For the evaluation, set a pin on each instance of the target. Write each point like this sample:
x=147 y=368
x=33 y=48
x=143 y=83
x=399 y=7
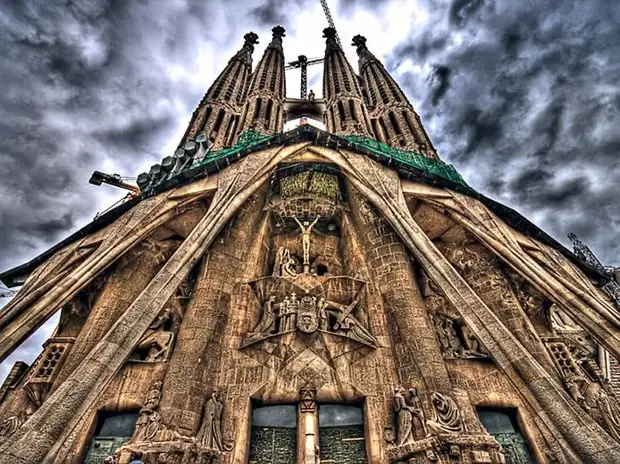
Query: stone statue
x=323 y=314
x=154 y=396
x=415 y=403
x=560 y=321
x=311 y=95
x=267 y=323
x=448 y=339
x=572 y=385
x=285 y=265
x=210 y=433
x=404 y=417
x=149 y=426
x=111 y=459
x=473 y=347
x=447 y=415
x=290 y=307
x=157 y=341
x=155 y=430
x=597 y=398
x=306 y=229
x=348 y=324
x=9 y=425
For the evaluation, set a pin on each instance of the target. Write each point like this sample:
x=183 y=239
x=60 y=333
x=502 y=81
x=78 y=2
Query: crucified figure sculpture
x=306 y=229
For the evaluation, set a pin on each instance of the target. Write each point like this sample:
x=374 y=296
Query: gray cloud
x=523 y=98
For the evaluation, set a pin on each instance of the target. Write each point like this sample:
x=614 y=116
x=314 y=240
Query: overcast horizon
x=521 y=97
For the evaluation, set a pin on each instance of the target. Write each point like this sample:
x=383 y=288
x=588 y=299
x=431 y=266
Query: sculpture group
x=309 y=314
x=411 y=420
x=151 y=429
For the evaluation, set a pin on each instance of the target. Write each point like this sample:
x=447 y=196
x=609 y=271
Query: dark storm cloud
x=523 y=97
x=85 y=85
x=271 y=12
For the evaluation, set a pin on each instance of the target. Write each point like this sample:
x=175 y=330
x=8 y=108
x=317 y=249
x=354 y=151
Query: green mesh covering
x=245 y=140
x=410 y=158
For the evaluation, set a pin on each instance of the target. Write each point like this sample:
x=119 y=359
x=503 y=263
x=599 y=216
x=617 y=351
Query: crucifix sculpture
x=306 y=229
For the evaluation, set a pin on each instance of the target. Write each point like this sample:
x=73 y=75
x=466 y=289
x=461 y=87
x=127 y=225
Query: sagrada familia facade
x=310 y=296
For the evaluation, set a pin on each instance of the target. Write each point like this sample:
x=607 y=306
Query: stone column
x=308 y=428
x=196 y=359
x=130 y=276
x=418 y=358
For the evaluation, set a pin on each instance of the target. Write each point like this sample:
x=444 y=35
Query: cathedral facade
x=310 y=296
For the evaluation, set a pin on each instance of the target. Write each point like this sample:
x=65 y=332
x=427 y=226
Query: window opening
x=502 y=424
x=273 y=435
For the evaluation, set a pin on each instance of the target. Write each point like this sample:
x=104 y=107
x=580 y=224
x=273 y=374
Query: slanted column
x=131 y=275
x=480 y=270
x=195 y=362
x=417 y=354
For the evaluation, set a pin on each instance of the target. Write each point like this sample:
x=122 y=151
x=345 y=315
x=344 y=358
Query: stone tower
x=310 y=296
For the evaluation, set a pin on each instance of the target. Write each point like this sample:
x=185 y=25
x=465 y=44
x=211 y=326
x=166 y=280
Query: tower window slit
x=268 y=113
x=206 y=118
x=384 y=128
x=394 y=123
x=375 y=129
x=228 y=130
x=259 y=102
x=408 y=121
x=218 y=121
x=353 y=110
x=341 y=114
x=276 y=123
x=231 y=135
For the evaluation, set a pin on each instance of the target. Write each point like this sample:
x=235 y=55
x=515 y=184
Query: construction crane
x=330 y=20
x=115 y=180
x=303 y=62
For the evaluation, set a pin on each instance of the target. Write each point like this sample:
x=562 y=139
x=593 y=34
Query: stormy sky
x=521 y=96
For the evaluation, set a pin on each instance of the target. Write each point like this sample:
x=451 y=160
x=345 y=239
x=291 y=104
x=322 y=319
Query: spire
x=217 y=114
x=345 y=111
x=393 y=119
x=264 y=106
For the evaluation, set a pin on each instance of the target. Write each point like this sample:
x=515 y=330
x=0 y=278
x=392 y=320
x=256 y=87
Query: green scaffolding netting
x=245 y=140
x=409 y=158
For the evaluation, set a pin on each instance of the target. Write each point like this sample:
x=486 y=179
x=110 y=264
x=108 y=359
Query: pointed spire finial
x=276 y=42
x=251 y=39
x=359 y=41
x=245 y=54
x=278 y=31
x=330 y=34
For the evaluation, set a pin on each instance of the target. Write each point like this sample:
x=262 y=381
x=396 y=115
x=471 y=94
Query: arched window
x=503 y=425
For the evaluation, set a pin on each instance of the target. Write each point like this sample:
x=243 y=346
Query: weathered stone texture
x=376 y=344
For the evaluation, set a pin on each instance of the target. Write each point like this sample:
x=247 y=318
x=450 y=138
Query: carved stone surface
x=335 y=307
x=447 y=417
x=210 y=433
